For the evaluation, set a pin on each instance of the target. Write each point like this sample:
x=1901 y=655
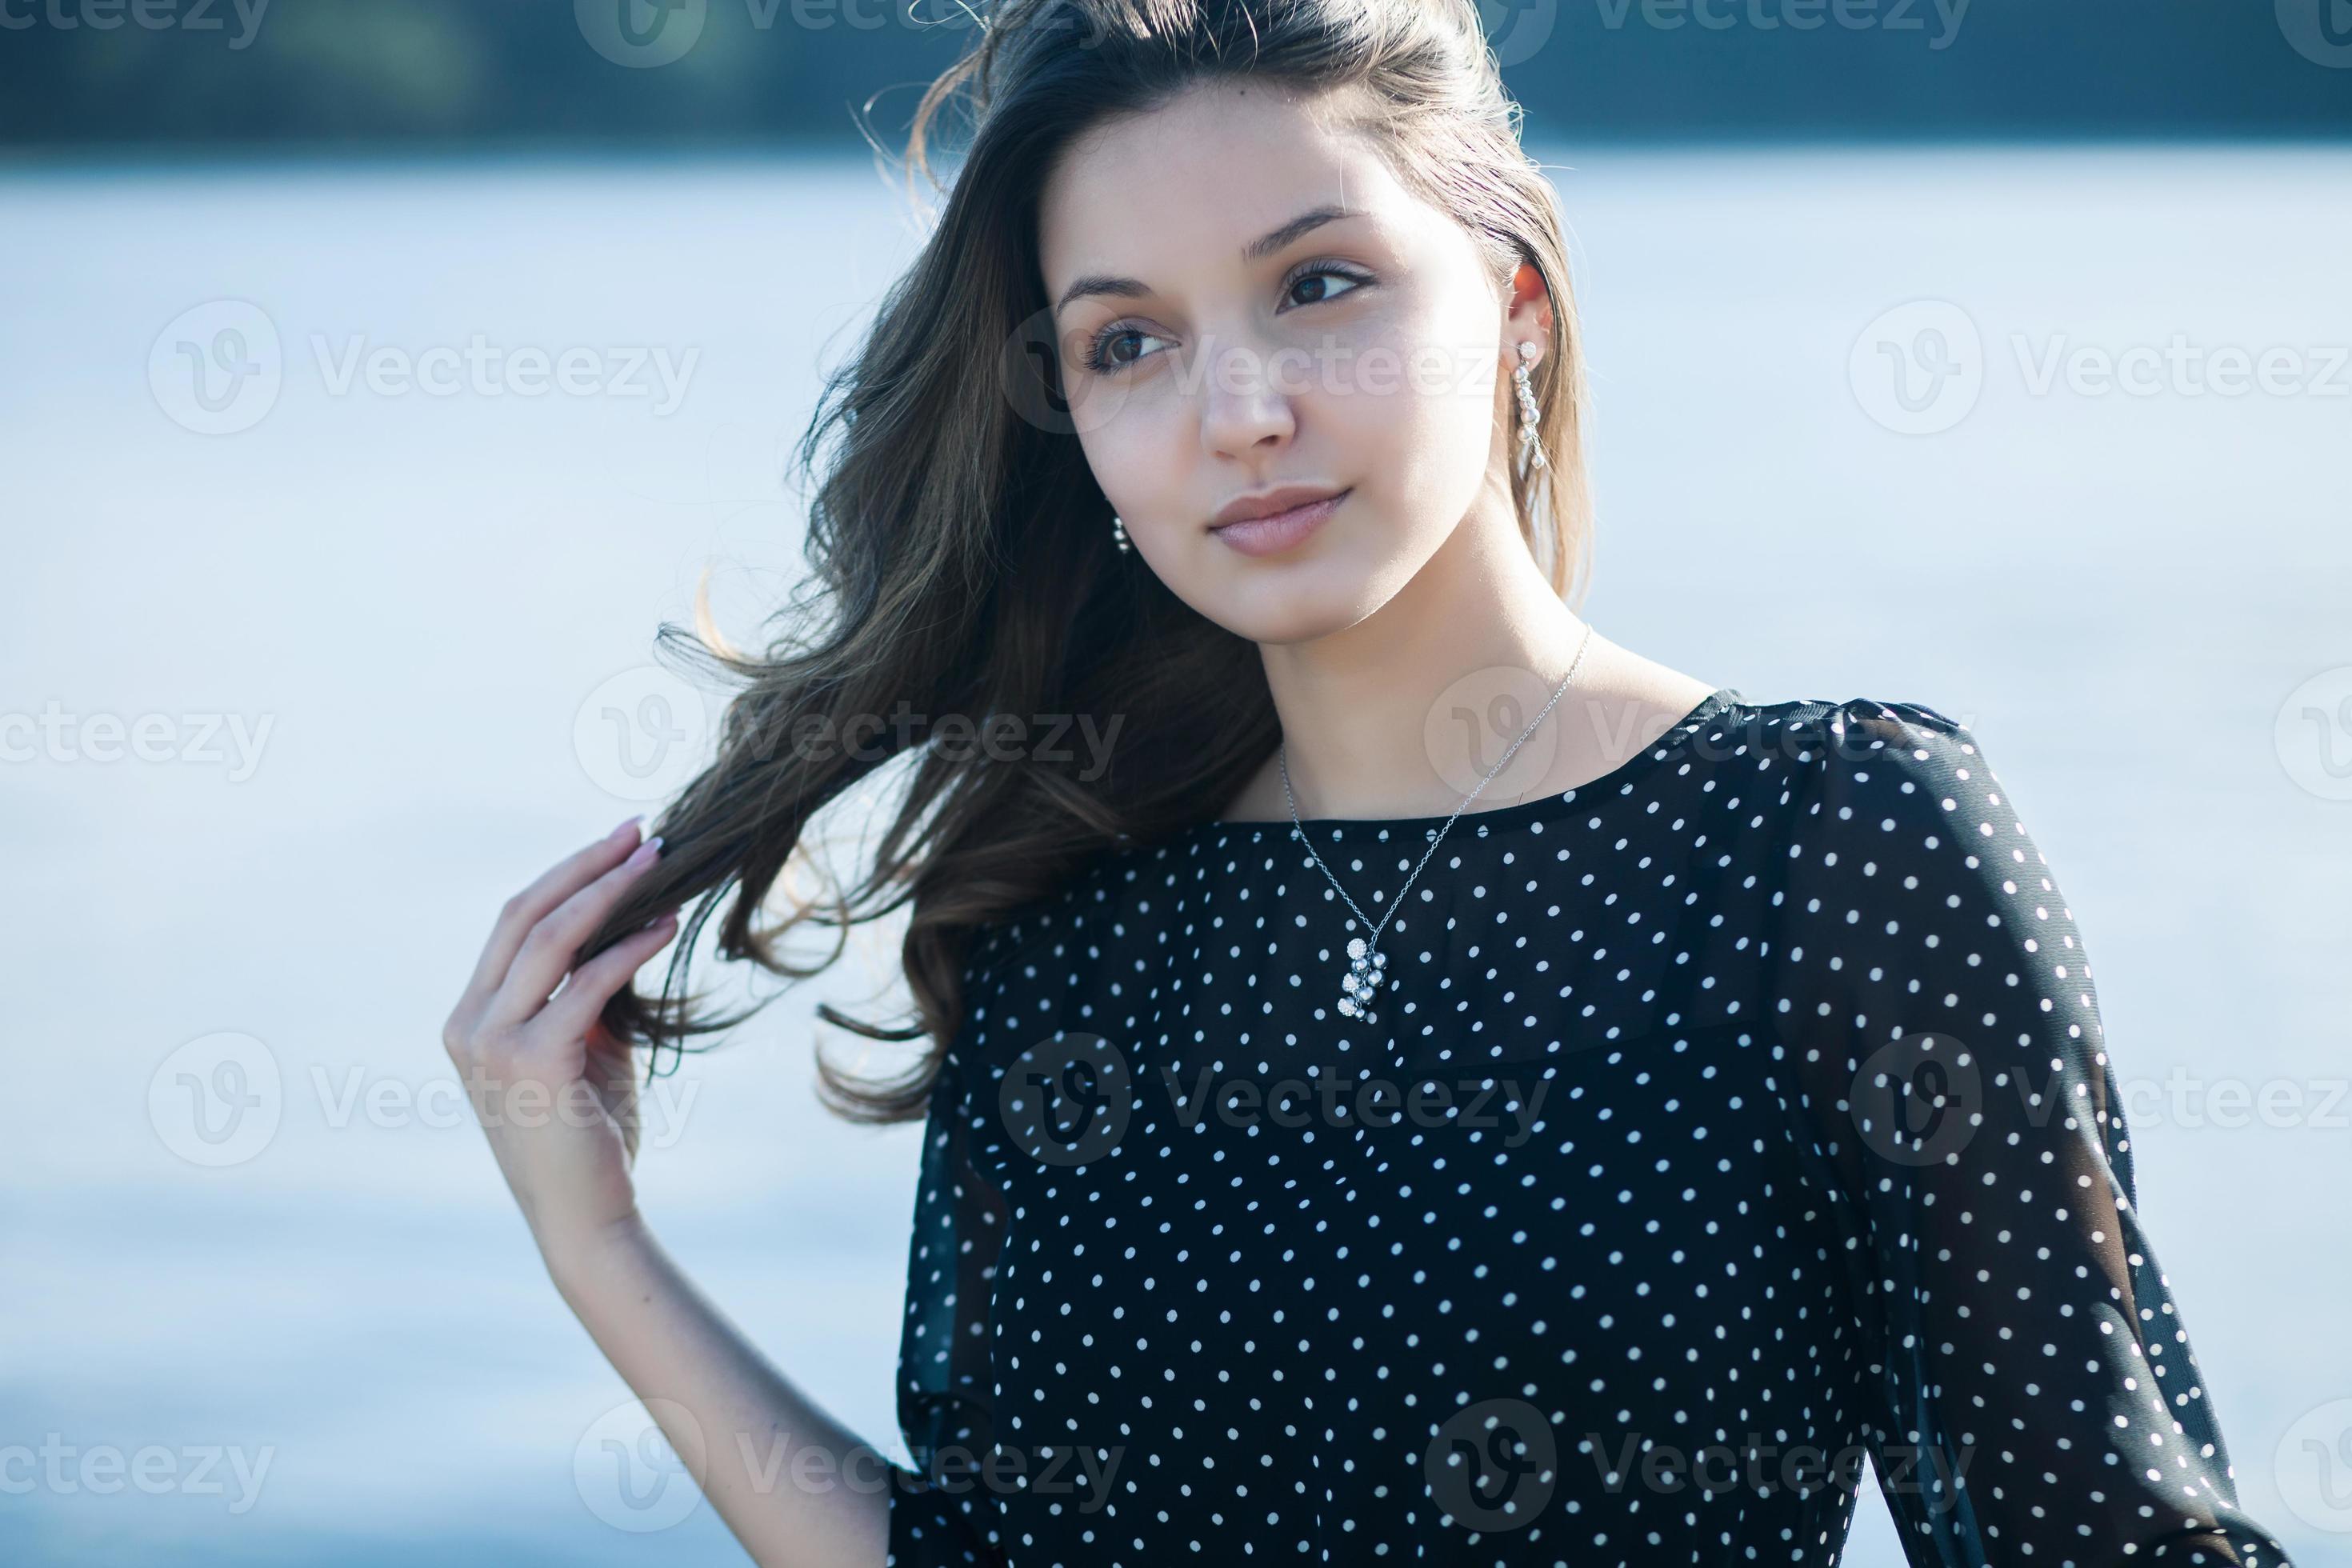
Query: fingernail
x=644 y=854
x=631 y=823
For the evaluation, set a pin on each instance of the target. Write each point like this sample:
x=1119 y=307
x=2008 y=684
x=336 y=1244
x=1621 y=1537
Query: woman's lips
x=1271 y=535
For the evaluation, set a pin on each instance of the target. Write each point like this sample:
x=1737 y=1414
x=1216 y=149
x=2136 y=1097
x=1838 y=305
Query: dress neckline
x=1519 y=813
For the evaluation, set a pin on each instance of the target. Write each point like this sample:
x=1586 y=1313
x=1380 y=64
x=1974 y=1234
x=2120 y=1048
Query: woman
x=1438 y=1085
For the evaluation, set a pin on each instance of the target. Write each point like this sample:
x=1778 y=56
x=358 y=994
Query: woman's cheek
x=1132 y=449
x=1408 y=377
x=1442 y=435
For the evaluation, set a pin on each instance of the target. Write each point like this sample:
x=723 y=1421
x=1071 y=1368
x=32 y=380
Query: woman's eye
x=1117 y=349
x=1111 y=354
x=1323 y=277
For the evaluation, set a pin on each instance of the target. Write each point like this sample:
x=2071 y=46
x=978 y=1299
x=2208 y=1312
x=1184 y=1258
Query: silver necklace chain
x=1366 y=962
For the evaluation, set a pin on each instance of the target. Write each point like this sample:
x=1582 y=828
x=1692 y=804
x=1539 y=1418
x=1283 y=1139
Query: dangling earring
x=1118 y=533
x=1530 y=443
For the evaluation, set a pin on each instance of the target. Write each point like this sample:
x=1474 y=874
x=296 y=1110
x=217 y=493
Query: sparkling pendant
x=1363 y=978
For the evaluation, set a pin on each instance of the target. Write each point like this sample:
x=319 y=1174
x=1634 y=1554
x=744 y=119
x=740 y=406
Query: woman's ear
x=1527 y=317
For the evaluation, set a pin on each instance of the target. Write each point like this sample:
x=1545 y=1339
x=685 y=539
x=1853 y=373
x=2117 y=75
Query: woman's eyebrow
x=1264 y=245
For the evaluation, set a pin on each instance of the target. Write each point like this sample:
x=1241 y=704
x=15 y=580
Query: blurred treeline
x=164 y=74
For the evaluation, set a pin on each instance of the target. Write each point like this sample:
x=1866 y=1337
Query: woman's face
x=1245 y=300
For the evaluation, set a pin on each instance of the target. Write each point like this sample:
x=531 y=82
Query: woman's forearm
x=797 y=1489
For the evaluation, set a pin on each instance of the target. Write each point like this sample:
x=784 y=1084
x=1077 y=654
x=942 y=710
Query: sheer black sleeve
x=942 y=1511
x=2034 y=1398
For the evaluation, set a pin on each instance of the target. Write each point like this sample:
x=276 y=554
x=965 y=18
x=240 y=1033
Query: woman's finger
x=575 y=1008
x=528 y=908
x=550 y=946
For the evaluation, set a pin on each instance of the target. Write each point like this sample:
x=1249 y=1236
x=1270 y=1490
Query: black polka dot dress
x=1720 y=1137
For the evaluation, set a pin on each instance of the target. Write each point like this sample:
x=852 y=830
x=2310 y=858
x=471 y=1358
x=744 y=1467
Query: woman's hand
x=557 y=1095
x=554 y=1091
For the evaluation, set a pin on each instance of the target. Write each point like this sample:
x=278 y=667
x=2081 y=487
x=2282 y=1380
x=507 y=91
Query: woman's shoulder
x=1888 y=777
x=1848 y=741
x=1899 y=796
x=1864 y=718
x=1886 y=746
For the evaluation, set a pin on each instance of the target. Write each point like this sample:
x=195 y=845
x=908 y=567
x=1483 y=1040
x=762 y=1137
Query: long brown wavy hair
x=962 y=560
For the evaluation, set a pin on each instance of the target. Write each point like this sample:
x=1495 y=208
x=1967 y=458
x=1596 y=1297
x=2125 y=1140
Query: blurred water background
x=375 y=633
